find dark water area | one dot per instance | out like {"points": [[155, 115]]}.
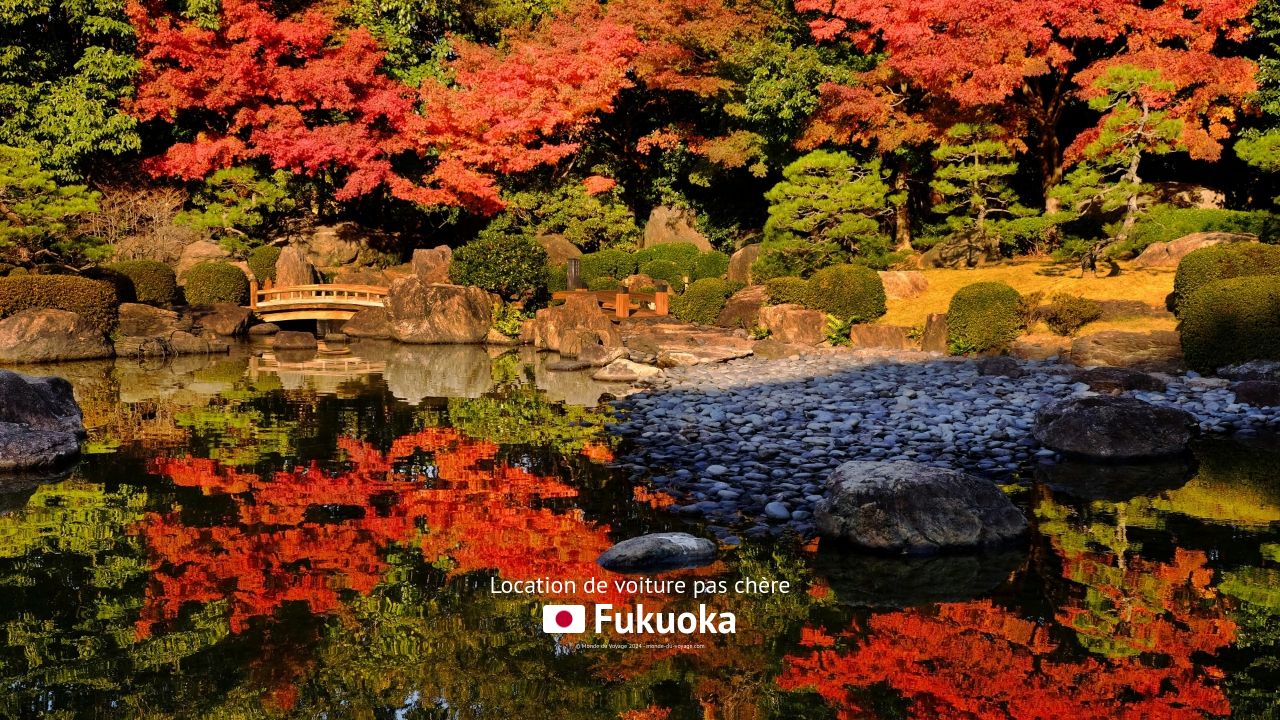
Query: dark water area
{"points": [[247, 538]]}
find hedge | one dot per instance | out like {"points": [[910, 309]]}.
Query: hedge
{"points": [[94, 300], [714, 264], [664, 270], [262, 261], [849, 292], [1232, 321], [1221, 262], [787, 290], [216, 282], [512, 266], [151, 282], [613, 263], [683, 255], [703, 301], [984, 317], [598, 284]]}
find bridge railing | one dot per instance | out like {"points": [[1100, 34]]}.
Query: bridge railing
{"points": [[268, 297]]}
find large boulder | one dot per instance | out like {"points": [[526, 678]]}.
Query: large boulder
{"points": [[198, 252], [431, 265], [934, 339], [293, 268], [1259, 393], [559, 250], [658, 551], [623, 370], [335, 245], [1114, 428], [741, 261], [903, 284], [225, 319], [360, 276], [563, 328], [794, 324], [881, 337], [1252, 370], [1155, 350], [1117, 380], [1039, 346], [742, 310], [44, 335], [673, 225], [911, 508], [1168, 254], [40, 423], [372, 323], [138, 320], [434, 314], [294, 340]]}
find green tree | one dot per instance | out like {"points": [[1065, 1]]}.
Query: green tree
{"points": [[975, 168], [1260, 147], [37, 215], [64, 66], [831, 197], [238, 205], [1136, 125], [590, 221]]}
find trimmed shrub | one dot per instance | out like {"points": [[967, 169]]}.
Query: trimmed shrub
{"points": [[709, 265], [152, 282], [557, 278], [94, 300], [787, 290], [1163, 223], [664, 270], [262, 261], [1065, 314], [983, 317], [1221, 262], [596, 284], [682, 254], [616, 264], [512, 266], [216, 282], [703, 301], [800, 258], [849, 292], [1232, 321]]}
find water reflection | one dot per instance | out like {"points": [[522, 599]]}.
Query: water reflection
{"points": [[249, 539]]}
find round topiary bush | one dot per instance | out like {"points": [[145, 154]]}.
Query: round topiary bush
{"points": [[709, 265], [787, 290], [609, 262], [153, 283], [704, 300], [262, 261], [983, 317], [216, 282], [512, 266], [1232, 321], [597, 284], [1221, 262], [666, 271], [849, 292], [557, 278], [94, 300], [682, 254]]}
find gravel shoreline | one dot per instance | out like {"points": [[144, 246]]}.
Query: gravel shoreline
{"points": [[748, 444]]}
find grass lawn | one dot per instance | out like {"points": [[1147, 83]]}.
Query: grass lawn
{"points": [[1034, 275]]}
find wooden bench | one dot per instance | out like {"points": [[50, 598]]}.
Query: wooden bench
{"points": [[625, 304]]}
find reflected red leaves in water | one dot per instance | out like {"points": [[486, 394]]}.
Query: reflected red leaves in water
{"points": [[978, 660], [308, 536]]}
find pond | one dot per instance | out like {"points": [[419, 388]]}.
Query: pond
{"points": [[251, 538]]}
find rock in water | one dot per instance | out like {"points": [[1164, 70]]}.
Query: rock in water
{"points": [[1114, 428], [40, 423], [659, 551], [911, 508], [293, 340], [45, 335], [430, 314]]}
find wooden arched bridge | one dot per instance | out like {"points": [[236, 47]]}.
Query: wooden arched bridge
{"points": [[313, 302]]}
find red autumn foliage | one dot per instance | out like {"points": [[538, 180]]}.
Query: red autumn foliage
{"points": [[1023, 60]]}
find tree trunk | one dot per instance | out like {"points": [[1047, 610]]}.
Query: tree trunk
{"points": [[902, 209], [1050, 166]]}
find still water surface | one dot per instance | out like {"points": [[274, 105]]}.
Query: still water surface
{"points": [[246, 540]]}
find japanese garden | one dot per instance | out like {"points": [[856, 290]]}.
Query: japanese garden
{"points": [[640, 359]]}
